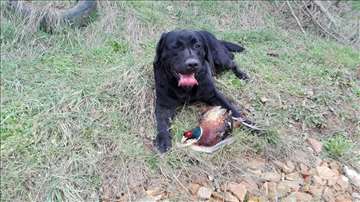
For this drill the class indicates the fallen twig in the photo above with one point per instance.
(342, 39)
(296, 18)
(326, 12)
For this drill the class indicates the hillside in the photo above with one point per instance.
(77, 106)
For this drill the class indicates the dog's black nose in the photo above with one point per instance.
(192, 64)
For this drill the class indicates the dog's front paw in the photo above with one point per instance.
(163, 141)
(244, 76)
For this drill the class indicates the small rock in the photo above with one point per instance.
(229, 197)
(199, 179)
(279, 164)
(300, 156)
(328, 195)
(343, 182)
(251, 185)
(337, 188)
(294, 177)
(356, 196)
(269, 188)
(194, 188)
(332, 181)
(318, 161)
(224, 187)
(343, 198)
(254, 199)
(325, 173)
(290, 165)
(306, 188)
(146, 199)
(323, 163)
(264, 99)
(299, 196)
(315, 145)
(210, 200)
(156, 193)
(255, 172)
(353, 176)
(255, 164)
(225, 197)
(334, 165)
(271, 176)
(336, 172)
(211, 178)
(304, 170)
(316, 190)
(312, 171)
(204, 193)
(294, 185)
(309, 92)
(318, 181)
(239, 190)
(286, 168)
(283, 189)
(170, 8)
(218, 195)
(290, 198)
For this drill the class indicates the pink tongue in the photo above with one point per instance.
(187, 80)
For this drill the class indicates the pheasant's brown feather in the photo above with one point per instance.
(216, 124)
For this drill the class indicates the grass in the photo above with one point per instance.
(77, 105)
(338, 146)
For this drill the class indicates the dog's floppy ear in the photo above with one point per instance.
(159, 48)
(207, 44)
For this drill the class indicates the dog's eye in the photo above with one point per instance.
(176, 45)
(197, 45)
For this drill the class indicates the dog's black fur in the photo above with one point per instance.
(186, 52)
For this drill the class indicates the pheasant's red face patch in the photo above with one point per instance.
(188, 134)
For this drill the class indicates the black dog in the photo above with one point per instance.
(184, 64)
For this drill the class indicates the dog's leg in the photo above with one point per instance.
(163, 116)
(218, 99)
(240, 74)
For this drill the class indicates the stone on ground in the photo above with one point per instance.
(286, 168)
(228, 197)
(353, 176)
(325, 173)
(239, 190)
(299, 197)
(315, 145)
(271, 176)
(316, 190)
(194, 188)
(328, 195)
(204, 193)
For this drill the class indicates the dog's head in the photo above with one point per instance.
(183, 55)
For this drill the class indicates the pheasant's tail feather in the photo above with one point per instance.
(247, 124)
(214, 148)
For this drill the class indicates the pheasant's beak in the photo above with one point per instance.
(186, 141)
(183, 139)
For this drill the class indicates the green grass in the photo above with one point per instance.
(77, 105)
(338, 146)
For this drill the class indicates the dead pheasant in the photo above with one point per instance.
(213, 131)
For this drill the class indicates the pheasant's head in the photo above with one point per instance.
(192, 136)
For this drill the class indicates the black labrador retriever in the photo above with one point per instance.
(184, 64)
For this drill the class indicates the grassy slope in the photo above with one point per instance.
(76, 106)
